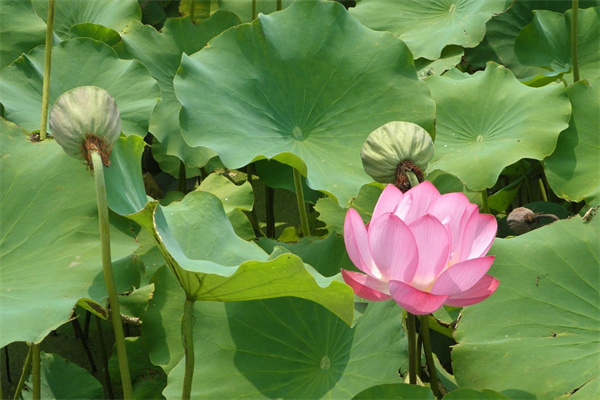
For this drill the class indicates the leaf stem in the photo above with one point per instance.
(37, 390)
(47, 67)
(543, 189)
(109, 279)
(24, 373)
(433, 381)
(484, 200)
(526, 181)
(252, 215)
(181, 186)
(411, 333)
(187, 336)
(412, 178)
(574, 56)
(300, 201)
(107, 381)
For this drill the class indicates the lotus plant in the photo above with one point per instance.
(423, 250)
(85, 122)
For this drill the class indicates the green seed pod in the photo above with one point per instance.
(83, 119)
(394, 146)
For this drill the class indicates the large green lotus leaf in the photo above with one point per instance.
(546, 42)
(78, 62)
(305, 86)
(427, 26)
(214, 264)
(291, 348)
(20, 30)
(542, 325)
(161, 53)
(113, 14)
(489, 121)
(502, 31)
(572, 170)
(50, 242)
(61, 379)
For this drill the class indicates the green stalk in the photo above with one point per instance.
(411, 332)
(109, 279)
(412, 178)
(252, 217)
(253, 10)
(543, 189)
(37, 390)
(181, 186)
(24, 373)
(47, 65)
(278, 6)
(484, 200)
(192, 10)
(526, 180)
(300, 201)
(187, 335)
(433, 381)
(107, 382)
(574, 56)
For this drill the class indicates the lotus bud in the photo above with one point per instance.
(85, 119)
(397, 152)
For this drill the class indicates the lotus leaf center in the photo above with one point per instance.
(298, 134)
(325, 363)
(452, 8)
(479, 138)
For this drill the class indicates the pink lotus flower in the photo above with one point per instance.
(422, 249)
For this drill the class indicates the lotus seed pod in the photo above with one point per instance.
(520, 220)
(393, 144)
(85, 118)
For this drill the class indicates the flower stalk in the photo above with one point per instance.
(37, 391)
(98, 167)
(411, 333)
(433, 381)
(305, 227)
(24, 373)
(47, 67)
(187, 334)
(574, 55)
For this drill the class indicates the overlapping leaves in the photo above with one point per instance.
(281, 88)
(50, 243)
(489, 120)
(203, 251)
(78, 62)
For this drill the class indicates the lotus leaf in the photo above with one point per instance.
(427, 26)
(280, 88)
(78, 62)
(572, 170)
(541, 327)
(478, 134)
